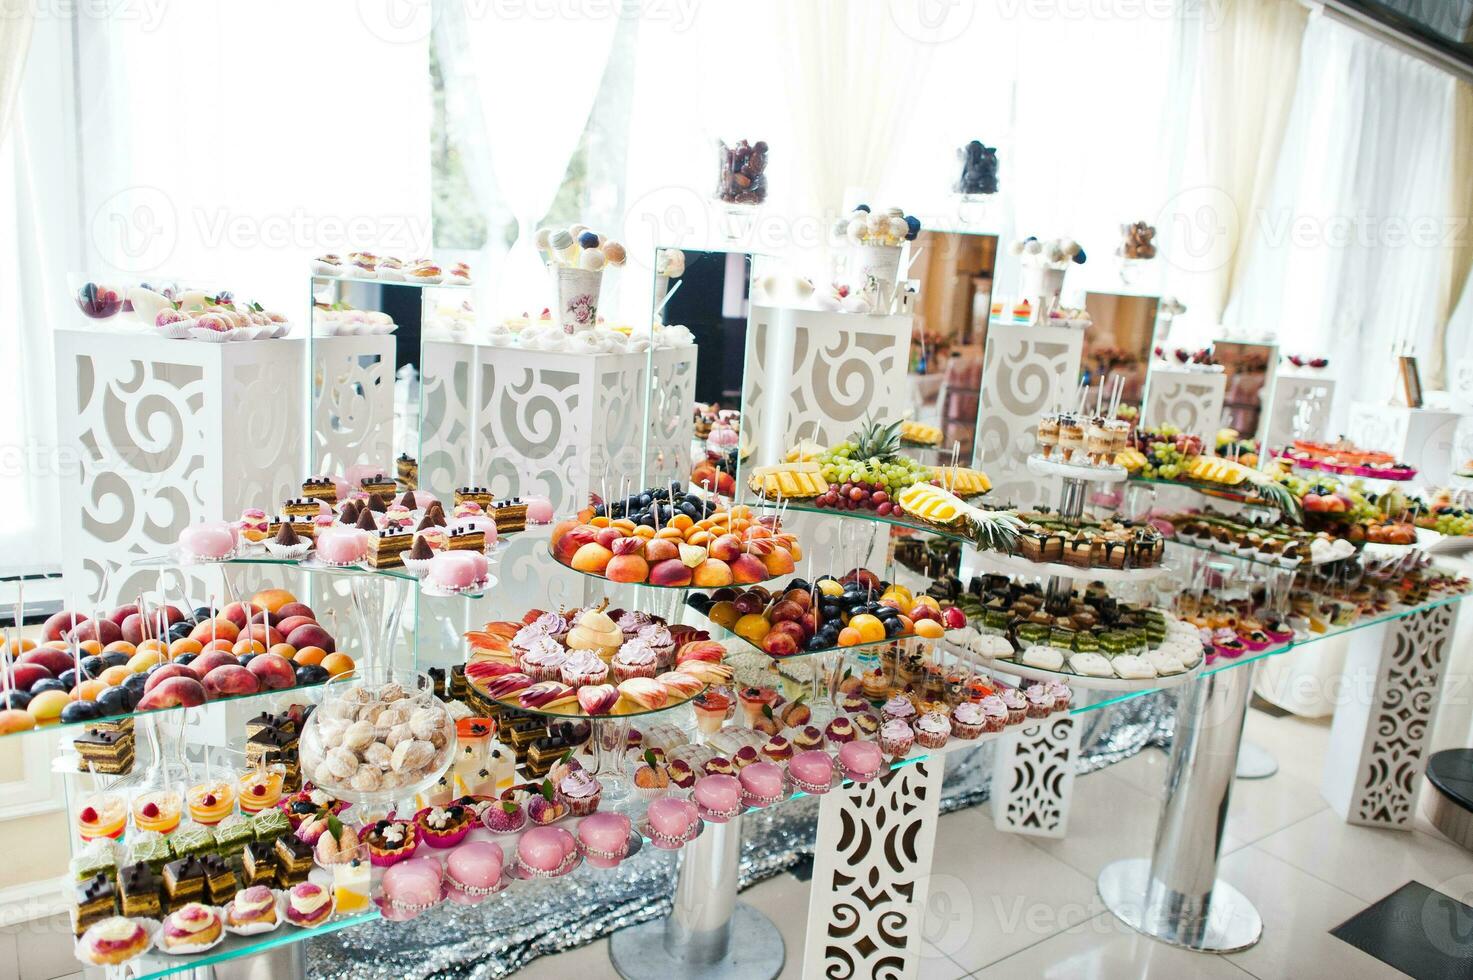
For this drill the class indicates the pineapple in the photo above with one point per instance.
(790, 480)
(872, 456)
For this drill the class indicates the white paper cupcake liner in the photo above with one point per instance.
(418, 566)
(208, 336)
(288, 552)
(191, 949)
(178, 330)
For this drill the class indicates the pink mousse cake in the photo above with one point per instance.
(473, 871)
(546, 851)
(719, 797)
(672, 822)
(342, 545)
(411, 887)
(209, 539)
(457, 571)
(811, 771)
(762, 783)
(604, 838)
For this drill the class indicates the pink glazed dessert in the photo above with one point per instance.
(718, 797)
(545, 850)
(473, 871)
(811, 771)
(411, 887)
(539, 509)
(672, 822)
(604, 838)
(340, 545)
(762, 783)
(457, 571)
(210, 539)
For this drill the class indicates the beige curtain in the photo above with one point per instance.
(1249, 69)
(15, 38)
(1456, 315)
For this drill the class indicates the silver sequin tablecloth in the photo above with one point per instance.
(542, 917)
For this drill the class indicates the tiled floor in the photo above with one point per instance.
(1007, 906)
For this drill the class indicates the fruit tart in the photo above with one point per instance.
(389, 841)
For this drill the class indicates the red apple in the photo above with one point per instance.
(953, 618)
(275, 672)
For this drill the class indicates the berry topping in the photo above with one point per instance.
(209, 799)
(258, 790)
(89, 815)
(150, 810)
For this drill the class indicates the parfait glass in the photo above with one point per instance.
(610, 741)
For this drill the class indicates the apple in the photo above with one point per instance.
(59, 623)
(167, 671)
(173, 692)
(274, 672)
(311, 635)
(229, 680)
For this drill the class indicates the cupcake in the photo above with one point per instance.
(994, 713)
(308, 905)
(580, 791)
(504, 817)
(1061, 694)
(896, 737)
(657, 637)
(543, 659)
(840, 730)
(582, 668)
(1017, 705)
(444, 826)
(651, 781)
(899, 708)
(632, 621)
(861, 761)
(968, 720)
(933, 729)
(1040, 701)
(756, 703)
(634, 659)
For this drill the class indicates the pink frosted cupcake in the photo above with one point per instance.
(896, 737)
(1061, 694)
(1017, 704)
(657, 637)
(933, 729)
(583, 668)
(899, 707)
(444, 826)
(543, 660)
(1040, 701)
(634, 659)
(580, 791)
(631, 622)
(968, 720)
(994, 713)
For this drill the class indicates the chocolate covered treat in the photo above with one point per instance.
(139, 887)
(379, 483)
(94, 902)
(406, 468)
(743, 173)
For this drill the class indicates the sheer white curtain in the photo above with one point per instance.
(1348, 250)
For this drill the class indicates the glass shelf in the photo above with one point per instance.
(376, 281)
(797, 507)
(662, 588)
(1254, 559)
(721, 633)
(310, 564)
(1307, 639)
(1215, 490)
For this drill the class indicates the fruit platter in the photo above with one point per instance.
(668, 538)
(1169, 455)
(140, 657)
(1343, 457)
(1346, 509)
(829, 613)
(592, 662)
(1266, 543)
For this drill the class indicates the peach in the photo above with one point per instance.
(174, 692)
(295, 609)
(778, 563)
(165, 672)
(48, 706)
(210, 630)
(659, 549)
(227, 645)
(56, 662)
(103, 631)
(745, 568)
(779, 643)
(560, 528)
(206, 662)
(272, 599)
(135, 629)
(726, 547)
(120, 646)
(229, 680)
(275, 673)
(607, 536)
(89, 690)
(15, 720)
(59, 623)
(627, 568)
(712, 573)
(267, 636)
(285, 626)
(144, 659)
(123, 612)
(671, 571)
(235, 613)
(311, 635)
(25, 675)
(114, 676)
(570, 542)
(306, 655)
(592, 557)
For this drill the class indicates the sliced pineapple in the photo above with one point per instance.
(961, 480)
(924, 435)
(932, 503)
(790, 480)
(805, 451)
(1130, 459)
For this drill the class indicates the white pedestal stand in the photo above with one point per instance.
(167, 433)
(1026, 371)
(1300, 409)
(352, 402)
(1422, 437)
(1189, 400)
(1378, 740)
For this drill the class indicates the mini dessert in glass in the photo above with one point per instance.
(211, 801)
(158, 810)
(1071, 437)
(104, 815)
(1048, 434)
(1097, 442)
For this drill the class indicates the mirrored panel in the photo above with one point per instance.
(1249, 369)
(1118, 343)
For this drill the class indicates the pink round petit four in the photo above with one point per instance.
(411, 887)
(762, 784)
(811, 771)
(473, 871)
(546, 852)
(539, 509)
(672, 822)
(718, 797)
(861, 761)
(209, 539)
(603, 838)
(339, 545)
(457, 571)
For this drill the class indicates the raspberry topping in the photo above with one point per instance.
(150, 810)
(209, 799)
(89, 815)
(258, 790)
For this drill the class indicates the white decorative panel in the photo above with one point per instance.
(1425, 438)
(1300, 408)
(1378, 743)
(1189, 400)
(446, 378)
(167, 433)
(352, 402)
(817, 375)
(871, 867)
(1033, 778)
(1026, 371)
